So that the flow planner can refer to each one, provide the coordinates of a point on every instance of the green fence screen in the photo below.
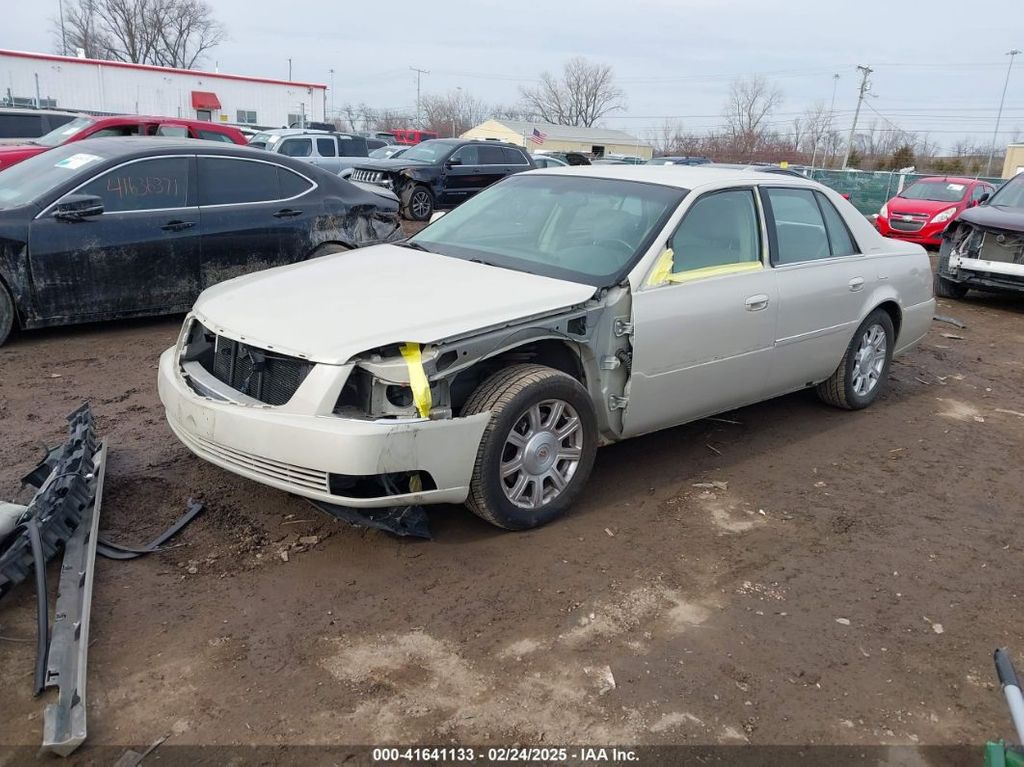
(870, 190)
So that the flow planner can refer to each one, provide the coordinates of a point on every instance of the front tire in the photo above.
(6, 314)
(417, 203)
(944, 287)
(537, 450)
(864, 370)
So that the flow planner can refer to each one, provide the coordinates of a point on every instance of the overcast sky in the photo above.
(939, 66)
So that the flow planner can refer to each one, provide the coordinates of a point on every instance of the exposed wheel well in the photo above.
(549, 352)
(893, 310)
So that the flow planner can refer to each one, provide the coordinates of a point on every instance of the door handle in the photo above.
(287, 213)
(756, 303)
(177, 226)
(856, 284)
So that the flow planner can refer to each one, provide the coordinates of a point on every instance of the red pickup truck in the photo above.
(125, 125)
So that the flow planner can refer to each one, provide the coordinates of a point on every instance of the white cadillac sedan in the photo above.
(485, 359)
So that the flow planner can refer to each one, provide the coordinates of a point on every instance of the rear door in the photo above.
(704, 323)
(139, 257)
(255, 214)
(823, 279)
(326, 154)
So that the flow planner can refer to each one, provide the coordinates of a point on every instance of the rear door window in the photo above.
(157, 184)
(352, 146)
(227, 181)
(292, 184)
(325, 147)
(799, 227)
(491, 155)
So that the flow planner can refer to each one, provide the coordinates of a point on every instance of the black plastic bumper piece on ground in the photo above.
(65, 488)
(111, 550)
(399, 520)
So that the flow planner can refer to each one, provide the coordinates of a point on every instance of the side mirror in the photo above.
(436, 215)
(77, 207)
(453, 161)
(983, 199)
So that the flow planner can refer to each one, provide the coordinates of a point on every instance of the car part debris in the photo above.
(949, 321)
(399, 520)
(64, 724)
(64, 512)
(110, 550)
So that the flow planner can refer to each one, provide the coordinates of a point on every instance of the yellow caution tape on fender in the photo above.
(417, 379)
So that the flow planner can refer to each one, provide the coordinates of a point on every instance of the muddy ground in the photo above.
(847, 585)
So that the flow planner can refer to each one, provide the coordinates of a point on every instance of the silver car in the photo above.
(334, 152)
(485, 359)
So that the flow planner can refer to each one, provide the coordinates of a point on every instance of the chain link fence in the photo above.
(869, 190)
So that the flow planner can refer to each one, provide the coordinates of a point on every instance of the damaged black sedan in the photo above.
(111, 227)
(983, 248)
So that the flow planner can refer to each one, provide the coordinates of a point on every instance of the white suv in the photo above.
(334, 152)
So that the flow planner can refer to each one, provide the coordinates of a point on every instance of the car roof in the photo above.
(296, 131)
(110, 147)
(948, 180)
(679, 176)
(31, 111)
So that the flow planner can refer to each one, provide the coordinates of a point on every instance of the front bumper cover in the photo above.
(296, 448)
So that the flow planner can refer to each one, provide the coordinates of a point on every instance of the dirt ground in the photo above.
(847, 585)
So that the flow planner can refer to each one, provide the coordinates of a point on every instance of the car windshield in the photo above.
(577, 228)
(935, 191)
(58, 136)
(25, 182)
(1010, 194)
(428, 151)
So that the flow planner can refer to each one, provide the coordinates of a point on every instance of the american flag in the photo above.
(537, 137)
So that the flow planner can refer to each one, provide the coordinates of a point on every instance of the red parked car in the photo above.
(408, 137)
(922, 211)
(125, 125)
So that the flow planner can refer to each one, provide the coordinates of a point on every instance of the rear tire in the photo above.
(417, 203)
(6, 314)
(864, 370)
(537, 450)
(946, 288)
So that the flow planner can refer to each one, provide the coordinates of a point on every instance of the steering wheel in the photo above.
(618, 243)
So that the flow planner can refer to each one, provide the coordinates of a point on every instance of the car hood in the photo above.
(333, 308)
(995, 217)
(391, 163)
(931, 207)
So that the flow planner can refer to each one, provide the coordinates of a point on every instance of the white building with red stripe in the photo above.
(114, 87)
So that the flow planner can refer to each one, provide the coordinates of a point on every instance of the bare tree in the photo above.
(454, 113)
(172, 33)
(185, 32)
(747, 111)
(584, 94)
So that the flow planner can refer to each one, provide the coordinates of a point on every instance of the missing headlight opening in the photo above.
(366, 395)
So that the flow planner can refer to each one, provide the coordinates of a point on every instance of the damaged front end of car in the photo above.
(982, 257)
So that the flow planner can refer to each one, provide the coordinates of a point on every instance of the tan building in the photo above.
(562, 138)
(1014, 162)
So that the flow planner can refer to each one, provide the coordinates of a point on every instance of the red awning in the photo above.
(205, 100)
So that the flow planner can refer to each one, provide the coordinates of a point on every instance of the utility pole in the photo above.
(333, 112)
(63, 34)
(289, 69)
(864, 87)
(418, 73)
(999, 116)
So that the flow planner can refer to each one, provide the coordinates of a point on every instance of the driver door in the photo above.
(704, 321)
(464, 175)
